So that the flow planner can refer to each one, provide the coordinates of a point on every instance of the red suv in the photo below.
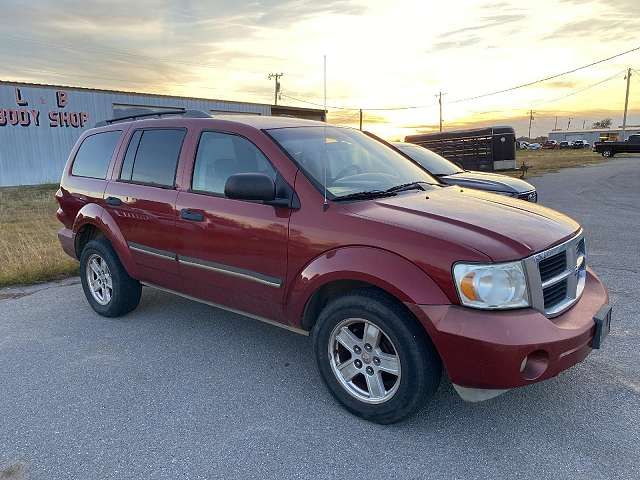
(327, 231)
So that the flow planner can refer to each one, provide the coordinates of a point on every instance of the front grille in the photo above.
(554, 294)
(552, 266)
(557, 276)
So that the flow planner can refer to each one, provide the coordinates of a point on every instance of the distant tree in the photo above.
(604, 123)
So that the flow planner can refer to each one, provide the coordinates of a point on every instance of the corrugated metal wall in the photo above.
(34, 154)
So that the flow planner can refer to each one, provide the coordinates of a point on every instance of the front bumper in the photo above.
(499, 350)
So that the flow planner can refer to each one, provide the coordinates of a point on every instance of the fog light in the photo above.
(534, 365)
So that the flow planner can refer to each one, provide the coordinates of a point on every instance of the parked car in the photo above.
(609, 149)
(534, 146)
(550, 145)
(328, 232)
(578, 144)
(522, 145)
(565, 144)
(450, 174)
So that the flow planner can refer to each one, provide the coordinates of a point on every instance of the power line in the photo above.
(483, 95)
(551, 77)
(576, 92)
(369, 109)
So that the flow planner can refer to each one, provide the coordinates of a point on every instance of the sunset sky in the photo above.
(380, 54)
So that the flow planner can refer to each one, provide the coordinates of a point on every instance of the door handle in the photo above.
(191, 215)
(114, 201)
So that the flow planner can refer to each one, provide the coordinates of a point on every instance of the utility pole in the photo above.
(569, 123)
(276, 77)
(440, 104)
(584, 122)
(626, 103)
(360, 119)
(530, 120)
(555, 127)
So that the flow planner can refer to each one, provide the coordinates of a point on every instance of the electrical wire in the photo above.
(488, 94)
(368, 109)
(580, 90)
(551, 77)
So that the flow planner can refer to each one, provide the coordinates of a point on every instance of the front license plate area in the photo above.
(602, 320)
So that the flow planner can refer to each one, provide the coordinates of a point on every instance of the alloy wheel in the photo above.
(364, 360)
(99, 279)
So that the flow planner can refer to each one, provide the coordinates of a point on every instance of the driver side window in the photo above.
(221, 155)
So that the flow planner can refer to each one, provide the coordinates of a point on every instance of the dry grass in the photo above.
(29, 247)
(544, 161)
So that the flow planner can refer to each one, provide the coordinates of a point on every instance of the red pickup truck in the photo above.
(326, 231)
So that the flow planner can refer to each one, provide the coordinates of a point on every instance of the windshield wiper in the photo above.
(366, 195)
(407, 186)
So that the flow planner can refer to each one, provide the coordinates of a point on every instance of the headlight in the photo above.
(492, 286)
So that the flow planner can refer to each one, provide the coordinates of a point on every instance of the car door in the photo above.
(232, 252)
(142, 198)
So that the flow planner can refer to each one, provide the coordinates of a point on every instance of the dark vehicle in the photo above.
(550, 145)
(328, 232)
(565, 144)
(450, 174)
(484, 149)
(609, 149)
(578, 144)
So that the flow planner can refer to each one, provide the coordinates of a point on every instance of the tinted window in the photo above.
(94, 155)
(221, 155)
(127, 165)
(347, 159)
(155, 159)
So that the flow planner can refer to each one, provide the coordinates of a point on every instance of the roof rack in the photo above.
(158, 113)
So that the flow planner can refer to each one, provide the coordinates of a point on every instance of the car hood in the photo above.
(488, 181)
(500, 227)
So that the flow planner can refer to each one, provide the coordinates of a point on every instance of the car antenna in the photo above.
(325, 204)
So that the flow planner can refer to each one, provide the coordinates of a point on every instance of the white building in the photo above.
(592, 135)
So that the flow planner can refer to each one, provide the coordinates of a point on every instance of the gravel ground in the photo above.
(182, 390)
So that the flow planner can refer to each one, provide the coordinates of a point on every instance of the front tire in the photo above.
(374, 357)
(109, 289)
(607, 153)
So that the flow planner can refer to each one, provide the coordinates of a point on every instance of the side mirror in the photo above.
(250, 186)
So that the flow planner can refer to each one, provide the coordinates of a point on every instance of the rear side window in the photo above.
(221, 155)
(152, 157)
(94, 155)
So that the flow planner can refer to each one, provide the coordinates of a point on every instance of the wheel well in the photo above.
(332, 290)
(85, 235)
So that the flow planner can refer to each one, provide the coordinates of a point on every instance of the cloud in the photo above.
(468, 36)
(488, 22)
(561, 84)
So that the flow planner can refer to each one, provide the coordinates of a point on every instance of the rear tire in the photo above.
(109, 289)
(383, 383)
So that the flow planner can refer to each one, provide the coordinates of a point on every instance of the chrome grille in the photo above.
(552, 266)
(556, 276)
(554, 294)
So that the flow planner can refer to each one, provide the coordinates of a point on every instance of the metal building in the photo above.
(39, 124)
(593, 135)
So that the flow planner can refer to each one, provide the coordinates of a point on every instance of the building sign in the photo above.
(25, 116)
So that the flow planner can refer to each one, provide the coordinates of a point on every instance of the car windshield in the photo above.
(434, 163)
(348, 161)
